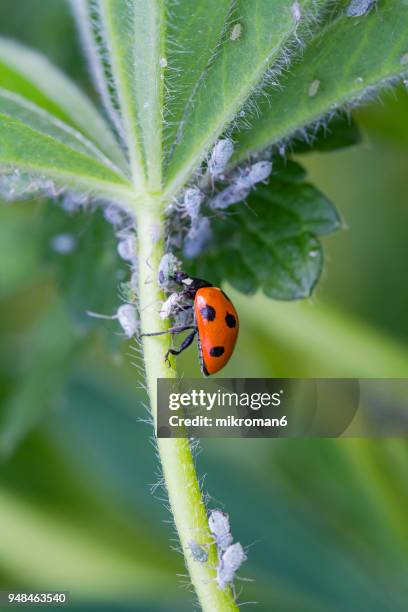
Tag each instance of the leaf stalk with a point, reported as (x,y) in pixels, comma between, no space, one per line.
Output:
(179,473)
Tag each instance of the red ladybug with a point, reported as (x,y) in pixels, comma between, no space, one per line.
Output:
(215,321)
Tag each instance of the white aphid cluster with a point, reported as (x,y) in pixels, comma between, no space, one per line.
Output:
(199,233)
(217,188)
(175,306)
(230,556)
(124,226)
(241,185)
(358,8)
(17,185)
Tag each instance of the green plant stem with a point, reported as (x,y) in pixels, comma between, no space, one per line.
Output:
(177,462)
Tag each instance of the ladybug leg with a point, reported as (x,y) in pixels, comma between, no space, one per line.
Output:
(172,330)
(186,342)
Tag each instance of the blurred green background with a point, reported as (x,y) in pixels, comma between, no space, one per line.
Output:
(325,520)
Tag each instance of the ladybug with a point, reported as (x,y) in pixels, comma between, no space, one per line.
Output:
(215,322)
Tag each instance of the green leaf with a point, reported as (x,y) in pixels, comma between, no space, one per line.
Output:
(288,170)
(89,23)
(18,252)
(22,147)
(15,107)
(31,75)
(238,68)
(85,279)
(50,353)
(134,34)
(193,40)
(349,58)
(272,243)
(341,132)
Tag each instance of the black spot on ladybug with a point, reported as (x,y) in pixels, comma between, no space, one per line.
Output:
(225,295)
(217,351)
(208,312)
(230,320)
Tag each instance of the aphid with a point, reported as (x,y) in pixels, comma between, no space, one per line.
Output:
(296,11)
(230,561)
(127,249)
(218,523)
(314,88)
(198,552)
(215,322)
(358,8)
(126,316)
(258,172)
(193,198)
(170,306)
(17,185)
(128,290)
(113,214)
(220,156)
(197,238)
(169,266)
(236,31)
(237,192)
(63,244)
(71,202)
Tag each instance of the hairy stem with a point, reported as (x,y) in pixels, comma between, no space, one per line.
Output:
(177,462)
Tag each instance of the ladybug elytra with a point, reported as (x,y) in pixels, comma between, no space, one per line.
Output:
(215,322)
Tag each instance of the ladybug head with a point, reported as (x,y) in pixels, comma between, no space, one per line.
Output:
(190,284)
(179,277)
